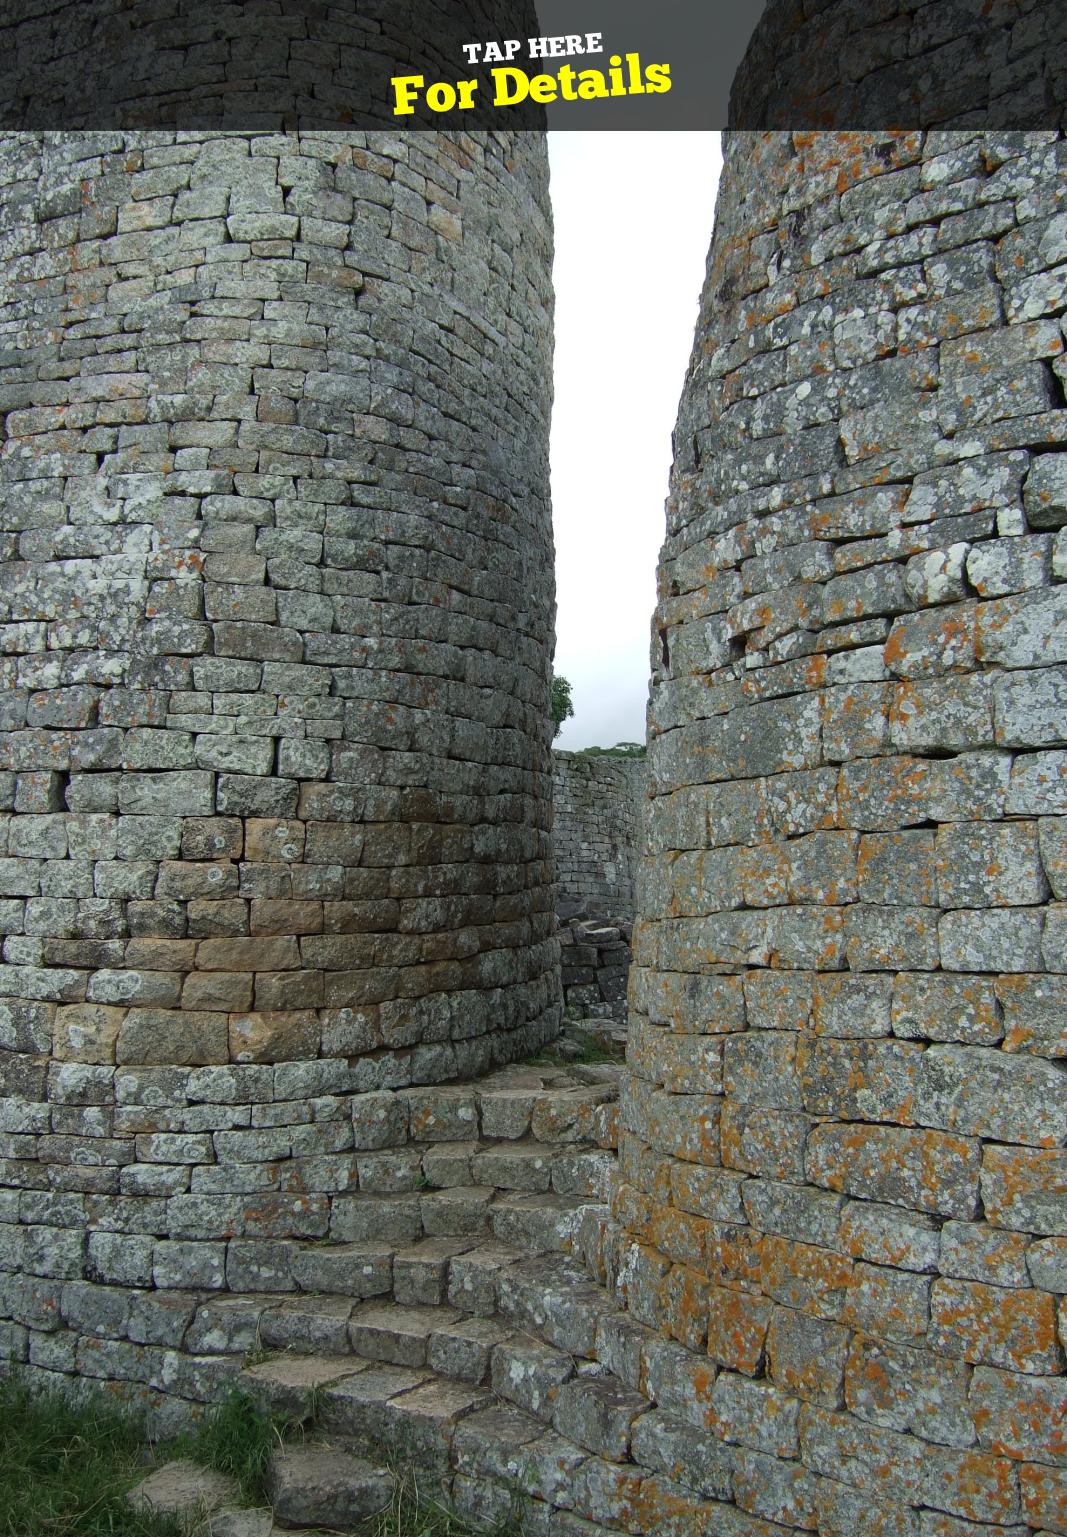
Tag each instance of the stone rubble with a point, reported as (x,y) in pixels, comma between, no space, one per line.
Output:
(595,968)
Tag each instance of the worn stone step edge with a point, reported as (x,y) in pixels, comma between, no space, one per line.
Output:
(314,1486)
(213,1327)
(582,1112)
(476,1282)
(589,1407)
(545,1331)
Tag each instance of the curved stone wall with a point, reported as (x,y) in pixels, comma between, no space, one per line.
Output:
(842,1165)
(903,64)
(222,64)
(277,613)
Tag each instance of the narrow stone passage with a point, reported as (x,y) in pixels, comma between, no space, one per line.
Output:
(280,960)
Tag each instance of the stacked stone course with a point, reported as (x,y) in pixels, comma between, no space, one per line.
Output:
(276,609)
(903,63)
(841,1164)
(598,821)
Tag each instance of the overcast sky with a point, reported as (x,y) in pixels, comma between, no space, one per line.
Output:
(633,218)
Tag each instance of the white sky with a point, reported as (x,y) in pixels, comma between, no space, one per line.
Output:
(633,216)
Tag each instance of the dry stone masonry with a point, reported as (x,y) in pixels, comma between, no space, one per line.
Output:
(277,884)
(598,807)
(903,64)
(222,64)
(595,968)
(842,1167)
(597,832)
(277,609)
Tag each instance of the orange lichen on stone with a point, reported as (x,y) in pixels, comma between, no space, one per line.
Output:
(737,1329)
(804,1276)
(1002,1326)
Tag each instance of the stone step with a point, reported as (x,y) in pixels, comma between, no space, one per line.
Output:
(462,1275)
(549,1326)
(534,1220)
(549,1106)
(325,1486)
(569,1168)
(468,1274)
(373,1404)
(552,1299)
(492,1293)
(454,1344)
(554,1389)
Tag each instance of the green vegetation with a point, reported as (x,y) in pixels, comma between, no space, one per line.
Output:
(65,1467)
(236,1438)
(415,1514)
(561,704)
(620,750)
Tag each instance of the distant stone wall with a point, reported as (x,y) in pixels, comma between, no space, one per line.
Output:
(842,1164)
(597,828)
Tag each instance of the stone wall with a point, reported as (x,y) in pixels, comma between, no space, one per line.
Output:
(223,64)
(277,612)
(842,1165)
(598,806)
(833,64)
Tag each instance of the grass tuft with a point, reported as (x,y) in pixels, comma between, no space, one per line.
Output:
(590,1052)
(413,1513)
(66,1467)
(237,1438)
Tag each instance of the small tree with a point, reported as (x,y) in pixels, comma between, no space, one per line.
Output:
(620,750)
(561,704)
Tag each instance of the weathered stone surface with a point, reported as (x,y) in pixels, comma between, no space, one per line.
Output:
(807,1355)
(274,779)
(891,1385)
(288,1382)
(672,1447)
(318,1486)
(901,893)
(924,1171)
(1014,1328)
(530,1375)
(184,1489)
(598,1413)
(1025,1189)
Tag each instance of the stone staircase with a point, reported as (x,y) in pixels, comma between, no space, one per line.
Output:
(465,1330)
(485,1405)
(451,1325)
(470,1335)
